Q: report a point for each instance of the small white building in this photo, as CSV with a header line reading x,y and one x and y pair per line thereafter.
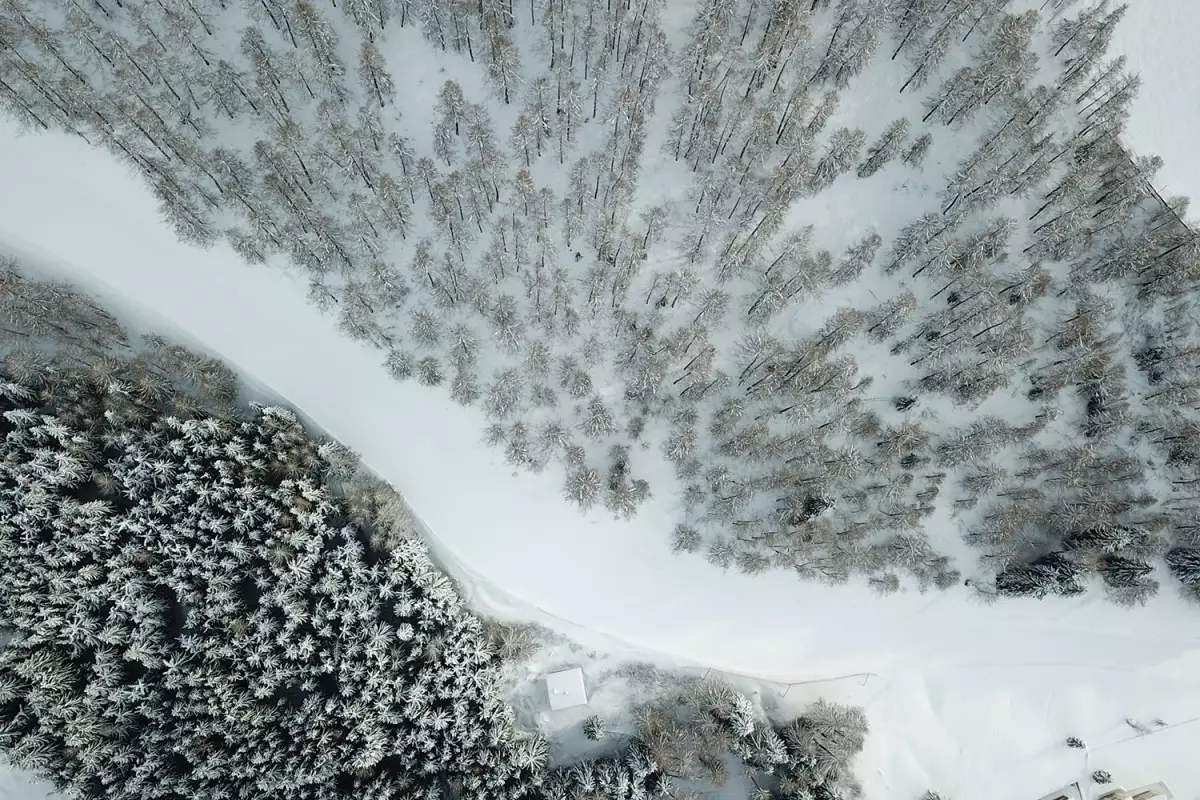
x,y
1153,791
565,689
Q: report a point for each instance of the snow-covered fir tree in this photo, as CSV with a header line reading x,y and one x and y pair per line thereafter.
x,y
195,614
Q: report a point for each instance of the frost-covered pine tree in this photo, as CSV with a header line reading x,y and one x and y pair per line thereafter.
x,y
373,73
1053,573
583,486
1184,563
915,153
885,148
256,621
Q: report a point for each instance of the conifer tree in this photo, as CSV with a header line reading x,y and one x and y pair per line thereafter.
x,y
885,149
374,75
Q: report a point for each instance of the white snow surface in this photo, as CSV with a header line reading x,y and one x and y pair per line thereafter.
x,y
19,785
1159,39
974,701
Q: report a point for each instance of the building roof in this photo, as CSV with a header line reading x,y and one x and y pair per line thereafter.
x,y
565,689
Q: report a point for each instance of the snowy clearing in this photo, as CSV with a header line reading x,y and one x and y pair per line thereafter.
x,y
20,786
966,699
1159,40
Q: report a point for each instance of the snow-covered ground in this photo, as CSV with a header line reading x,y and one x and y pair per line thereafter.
x,y
21,786
974,701
1159,39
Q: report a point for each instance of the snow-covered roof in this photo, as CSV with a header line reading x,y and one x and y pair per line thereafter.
x,y
1153,791
565,689
1066,793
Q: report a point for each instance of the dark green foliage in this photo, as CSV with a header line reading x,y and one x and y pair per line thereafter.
x,y
1053,573
1120,572
1148,360
1105,539
1184,563
195,616
593,728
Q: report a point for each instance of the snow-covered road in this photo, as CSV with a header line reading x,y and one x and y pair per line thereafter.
x,y
973,700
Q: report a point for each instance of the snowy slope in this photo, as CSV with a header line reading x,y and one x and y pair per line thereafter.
x,y
972,700
15,785
1159,39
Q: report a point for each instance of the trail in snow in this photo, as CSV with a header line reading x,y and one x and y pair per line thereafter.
x,y
972,700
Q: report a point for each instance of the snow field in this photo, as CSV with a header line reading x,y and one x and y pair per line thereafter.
x,y
969,700
16,785
1159,39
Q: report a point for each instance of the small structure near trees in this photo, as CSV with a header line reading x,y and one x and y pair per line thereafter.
x,y
1152,791
565,689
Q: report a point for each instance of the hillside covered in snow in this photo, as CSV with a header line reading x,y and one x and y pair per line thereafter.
x,y
847,287
665,317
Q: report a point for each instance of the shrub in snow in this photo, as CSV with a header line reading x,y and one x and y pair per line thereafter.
x,y
1105,539
1075,743
515,641
1128,578
464,389
885,148
593,728
886,584
915,154
721,553
685,539
583,486
1102,776
399,364
1141,728
597,420
503,396
429,372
